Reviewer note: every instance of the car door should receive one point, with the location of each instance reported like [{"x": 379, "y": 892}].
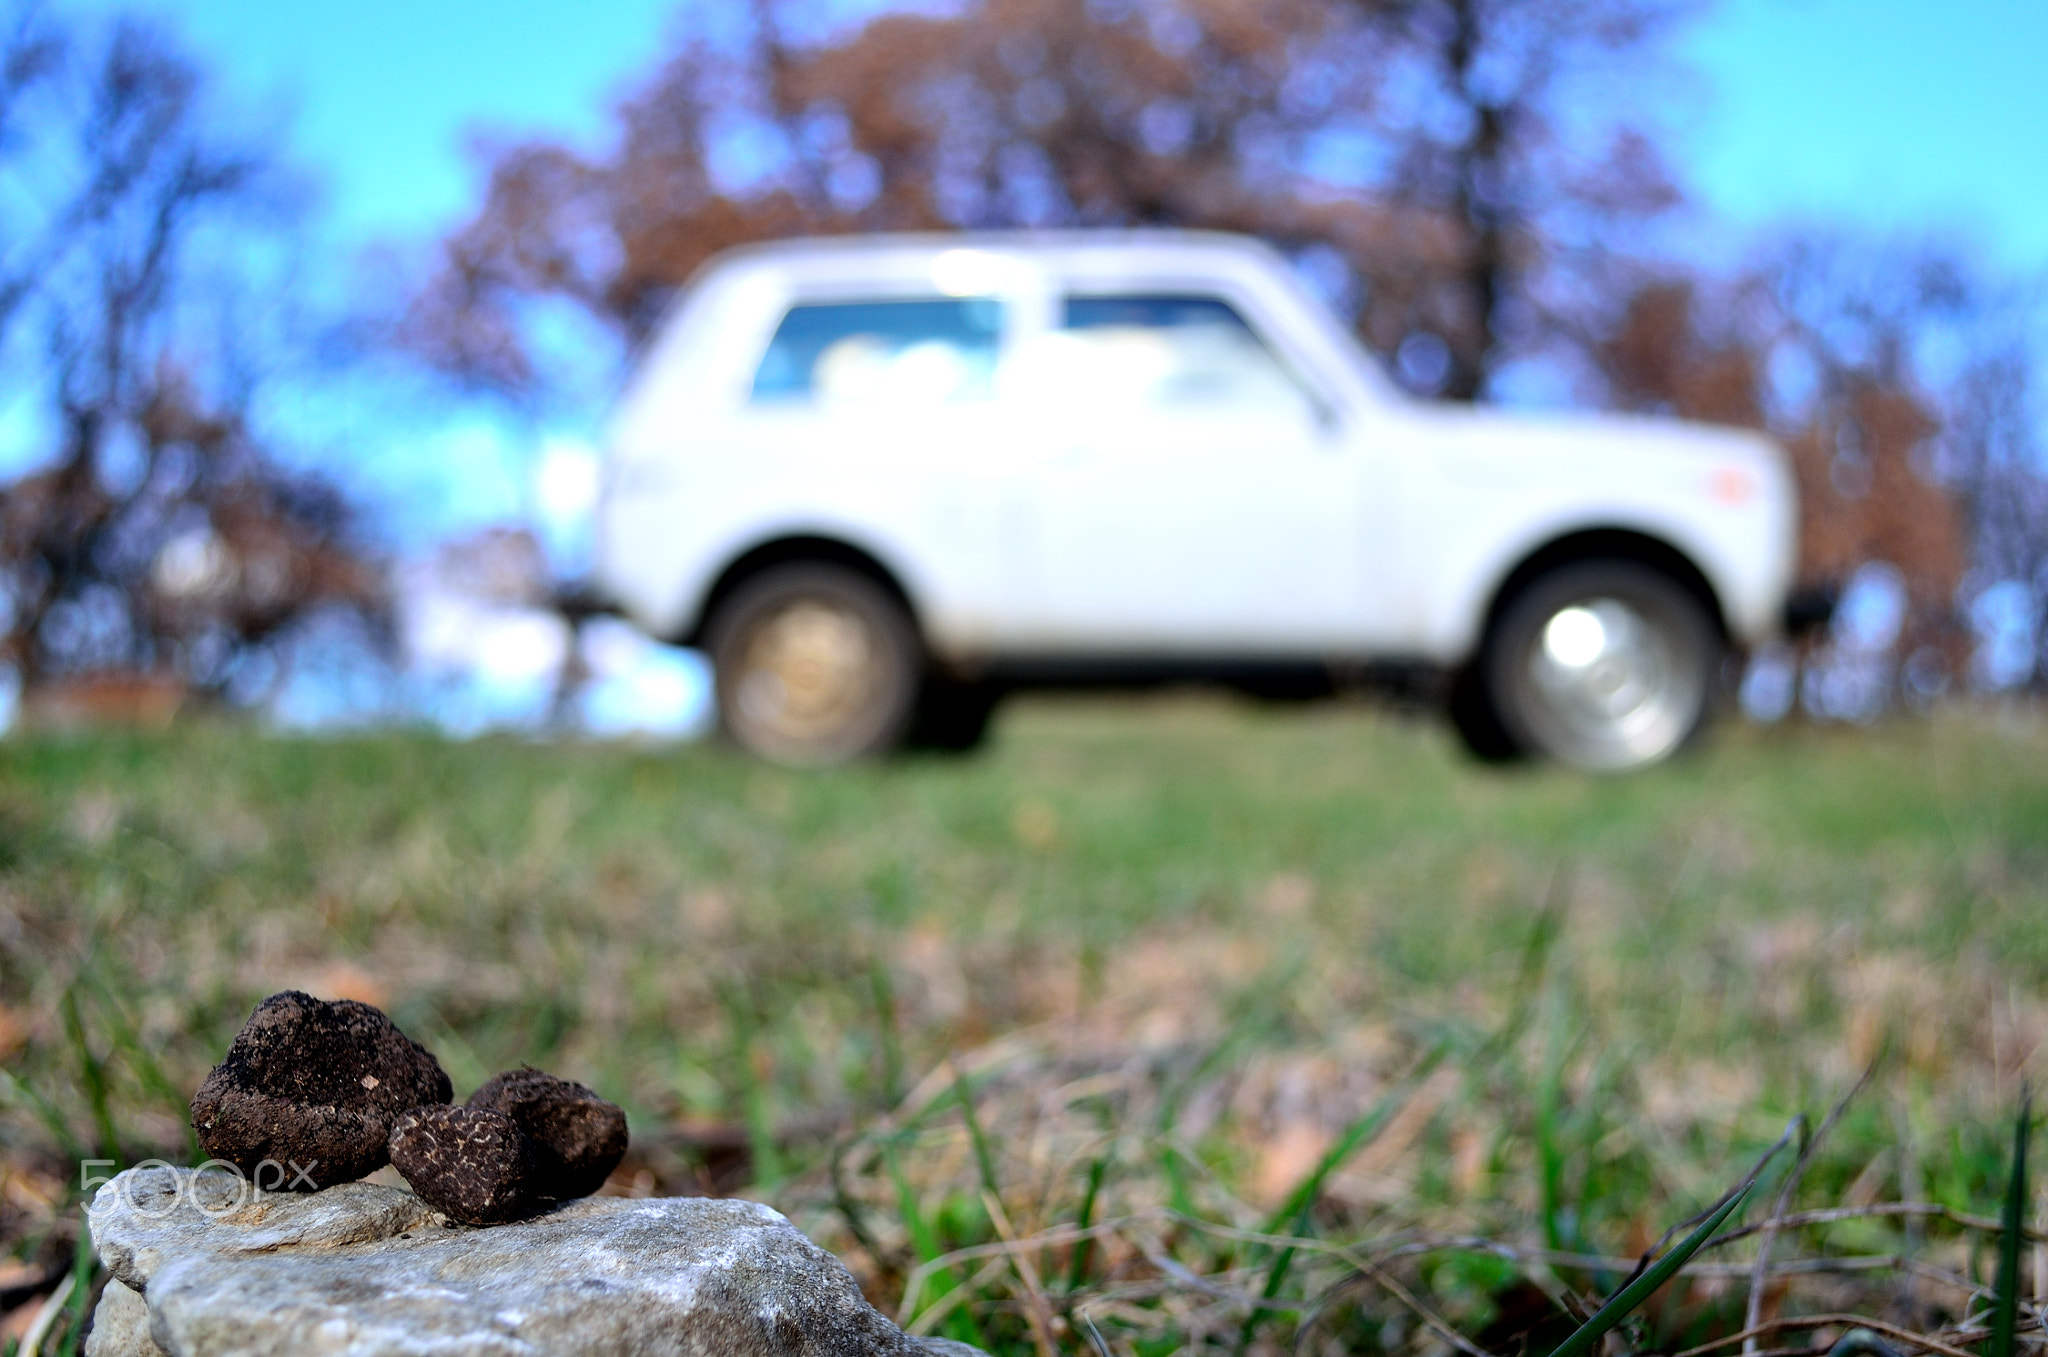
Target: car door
[
  {"x": 1187, "y": 491},
  {"x": 873, "y": 418}
]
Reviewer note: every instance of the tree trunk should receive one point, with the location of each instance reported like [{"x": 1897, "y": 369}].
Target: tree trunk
[{"x": 1478, "y": 207}]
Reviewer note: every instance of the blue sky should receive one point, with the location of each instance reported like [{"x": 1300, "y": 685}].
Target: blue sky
[
  {"x": 1902, "y": 113},
  {"x": 1898, "y": 113},
  {"x": 382, "y": 96}
]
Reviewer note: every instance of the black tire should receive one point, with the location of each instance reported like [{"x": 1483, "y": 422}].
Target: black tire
[
  {"x": 1477, "y": 722},
  {"x": 952, "y": 717},
  {"x": 813, "y": 664},
  {"x": 1606, "y": 665}
]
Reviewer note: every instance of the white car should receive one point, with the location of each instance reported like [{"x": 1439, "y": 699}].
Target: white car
[{"x": 882, "y": 480}]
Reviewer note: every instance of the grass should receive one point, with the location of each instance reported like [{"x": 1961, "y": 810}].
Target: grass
[{"x": 1237, "y": 1018}]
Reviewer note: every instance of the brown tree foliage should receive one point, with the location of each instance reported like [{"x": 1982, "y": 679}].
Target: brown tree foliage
[
  {"x": 1414, "y": 148},
  {"x": 1864, "y": 423}
]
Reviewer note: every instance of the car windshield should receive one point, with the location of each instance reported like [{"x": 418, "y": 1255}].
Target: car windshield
[{"x": 903, "y": 352}]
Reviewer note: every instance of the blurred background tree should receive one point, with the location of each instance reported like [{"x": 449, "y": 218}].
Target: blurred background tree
[
  {"x": 157, "y": 547},
  {"x": 1482, "y": 188}
]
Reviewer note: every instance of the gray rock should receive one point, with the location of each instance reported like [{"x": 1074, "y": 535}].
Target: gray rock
[
  {"x": 120, "y": 1326},
  {"x": 361, "y": 1269}
]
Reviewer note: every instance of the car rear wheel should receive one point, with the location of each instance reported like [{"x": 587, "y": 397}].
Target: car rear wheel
[
  {"x": 813, "y": 664},
  {"x": 1604, "y": 665}
]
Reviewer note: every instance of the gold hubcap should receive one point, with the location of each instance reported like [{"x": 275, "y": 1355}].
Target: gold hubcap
[{"x": 807, "y": 672}]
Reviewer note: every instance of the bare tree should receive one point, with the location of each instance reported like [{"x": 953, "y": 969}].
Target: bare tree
[
  {"x": 158, "y": 535},
  {"x": 30, "y": 53},
  {"x": 1498, "y": 129},
  {"x": 1995, "y": 457}
]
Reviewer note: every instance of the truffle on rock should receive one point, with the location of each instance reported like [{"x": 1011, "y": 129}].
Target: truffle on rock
[
  {"x": 309, "y": 1091},
  {"x": 578, "y": 1138},
  {"x": 471, "y": 1164}
]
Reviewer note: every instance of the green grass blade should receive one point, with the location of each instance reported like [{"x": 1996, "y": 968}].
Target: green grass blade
[
  {"x": 1535, "y": 964},
  {"x": 1077, "y": 1267},
  {"x": 849, "y": 1206},
  {"x": 2005, "y": 1311},
  {"x": 984, "y": 1160},
  {"x": 1276, "y": 1277},
  {"x": 1549, "y": 1157},
  {"x": 883, "y": 992},
  {"x": 757, "y": 1110},
  {"x": 82, "y": 1268},
  {"x": 1638, "y": 1291},
  {"x": 960, "y": 1325},
  {"x": 92, "y": 1077},
  {"x": 1173, "y": 1163}
]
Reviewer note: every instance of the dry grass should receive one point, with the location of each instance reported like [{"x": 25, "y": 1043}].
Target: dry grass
[{"x": 1180, "y": 958}]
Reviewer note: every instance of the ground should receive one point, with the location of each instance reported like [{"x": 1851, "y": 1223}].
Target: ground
[{"x": 1197, "y": 967}]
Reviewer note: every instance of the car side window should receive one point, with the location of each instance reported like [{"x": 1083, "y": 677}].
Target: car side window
[
  {"x": 1170, "y": 351},
  {"x": 919, "y": 351}
]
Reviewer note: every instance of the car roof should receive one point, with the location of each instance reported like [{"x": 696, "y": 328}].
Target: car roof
[{"x": 1150, "y": 241}]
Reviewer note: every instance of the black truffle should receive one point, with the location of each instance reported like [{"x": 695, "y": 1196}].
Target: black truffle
[
  {"x": 578, "y": 1138},
  {"x": 309, "y": 1091},
  {"x": 471, "y": 1164}
]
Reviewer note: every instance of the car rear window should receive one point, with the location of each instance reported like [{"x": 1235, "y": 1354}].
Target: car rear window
[
  {"x": 1176, "y": 350},
  {"x": 1153, "y": 311},
  {"x": 912, "y": 351}
]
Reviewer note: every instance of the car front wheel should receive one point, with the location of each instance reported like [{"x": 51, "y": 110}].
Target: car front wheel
[
  {"x": 813, "y": 664},
  {"x": 1604, "y": 665}
]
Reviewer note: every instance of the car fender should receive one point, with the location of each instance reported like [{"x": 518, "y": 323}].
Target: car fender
[
  {"x": 695, "y": 589},
  {"x": 1467, "y": 590}
]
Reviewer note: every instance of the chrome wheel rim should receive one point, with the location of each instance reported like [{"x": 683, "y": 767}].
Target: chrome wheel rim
[
  {"x": 1613, "y": 685},
  {"x": 808, "y": 675}
]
